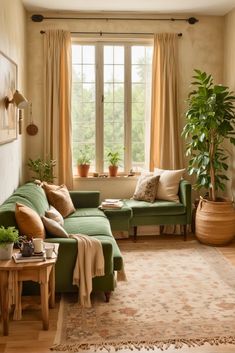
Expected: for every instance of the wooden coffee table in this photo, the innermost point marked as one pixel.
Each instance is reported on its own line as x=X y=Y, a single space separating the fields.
x=11 y=277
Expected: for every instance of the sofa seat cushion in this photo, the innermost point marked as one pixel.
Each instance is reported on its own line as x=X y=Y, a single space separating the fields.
x=87 y=212
x=88 y=226
x=159 y=207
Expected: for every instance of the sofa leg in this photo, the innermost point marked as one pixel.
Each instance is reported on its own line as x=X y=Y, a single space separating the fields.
x=107 y=296
x=135 y=233
x=161 y=229
x=185 y=232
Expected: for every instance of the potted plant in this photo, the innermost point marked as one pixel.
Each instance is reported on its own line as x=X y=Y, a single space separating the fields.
x=210 y=120
x=113 y=159
x=8 y=236
x=43 y=169
x=83 y=161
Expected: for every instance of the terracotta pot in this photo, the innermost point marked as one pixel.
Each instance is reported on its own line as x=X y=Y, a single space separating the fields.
x=83 y=170
x=215 y=222
x=113 y=169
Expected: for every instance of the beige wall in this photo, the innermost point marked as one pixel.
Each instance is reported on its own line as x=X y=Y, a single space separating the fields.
x=200 y=47
x=229 y=79
x=12 y=44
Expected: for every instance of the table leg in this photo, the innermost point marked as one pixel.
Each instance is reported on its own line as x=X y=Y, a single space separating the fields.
x=4 y=278
x=52 y=288
x=18 y=308
x=44 y=305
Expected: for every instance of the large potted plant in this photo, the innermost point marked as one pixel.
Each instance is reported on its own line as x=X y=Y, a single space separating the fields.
x=83 y=161
x=113 y=159
x=8 y=236
x=210 y=120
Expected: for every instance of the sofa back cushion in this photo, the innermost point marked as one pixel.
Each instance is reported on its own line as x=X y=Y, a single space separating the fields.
x=29 y=222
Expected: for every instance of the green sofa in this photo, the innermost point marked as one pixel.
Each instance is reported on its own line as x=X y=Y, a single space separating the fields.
x=87 y=219
x=135 y=213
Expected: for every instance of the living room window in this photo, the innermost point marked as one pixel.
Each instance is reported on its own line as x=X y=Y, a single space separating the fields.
x=111 y=101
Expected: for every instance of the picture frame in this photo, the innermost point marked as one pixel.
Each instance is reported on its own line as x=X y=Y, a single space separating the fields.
x=8 y=116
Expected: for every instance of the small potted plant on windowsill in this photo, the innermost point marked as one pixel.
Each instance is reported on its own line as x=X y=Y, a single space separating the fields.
x=8 y=236
x=83 y=161
x=113 y=159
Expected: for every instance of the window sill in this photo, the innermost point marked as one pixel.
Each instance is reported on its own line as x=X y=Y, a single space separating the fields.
x=108 y=178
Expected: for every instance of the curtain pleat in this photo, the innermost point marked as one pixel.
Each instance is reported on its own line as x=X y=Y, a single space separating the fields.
x=165 y=145
x=57 y=98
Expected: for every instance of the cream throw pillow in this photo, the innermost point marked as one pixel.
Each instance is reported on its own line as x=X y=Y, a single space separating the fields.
x=29 y=222
x=168 y=186
x=146 y=188
x=54 y=228
x=52 y=213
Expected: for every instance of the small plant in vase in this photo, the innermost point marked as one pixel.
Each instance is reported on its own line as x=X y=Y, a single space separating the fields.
x=113 y=159
x=8 y=236
x=83 y=161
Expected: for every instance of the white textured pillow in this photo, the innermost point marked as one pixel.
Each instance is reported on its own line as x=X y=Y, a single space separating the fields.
x=168 y=186
x=146 y=188
x=52 y=213
x=54 y=228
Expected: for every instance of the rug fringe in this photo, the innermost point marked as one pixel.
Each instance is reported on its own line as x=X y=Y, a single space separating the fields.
x=163 y=345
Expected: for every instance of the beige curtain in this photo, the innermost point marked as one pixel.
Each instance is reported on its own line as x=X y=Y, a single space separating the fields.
x=165 y=146
x=57 y=100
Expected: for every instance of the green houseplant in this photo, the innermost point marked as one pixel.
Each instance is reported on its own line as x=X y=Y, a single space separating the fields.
x=43 y=169
x=210 y=120
x=8 y=236
x=113 y=158
x=83 y=161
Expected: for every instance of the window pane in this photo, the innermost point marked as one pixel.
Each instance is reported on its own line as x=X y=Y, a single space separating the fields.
x=118 y=54
x=138 y=73
x=118 y=73
x=108 y=54
x=138 y=92
x=88 y=92
x=108 y=92
x=138 y=110
x=88 y=73
x=76 y=54
x=77 y=73
x=108 y=73
x=88 y=56
x=119 y=92
x=138 y=54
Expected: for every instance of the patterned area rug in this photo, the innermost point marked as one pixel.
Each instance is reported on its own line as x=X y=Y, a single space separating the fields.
x=180 y=295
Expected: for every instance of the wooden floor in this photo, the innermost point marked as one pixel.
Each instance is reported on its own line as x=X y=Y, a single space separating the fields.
x=27 y=335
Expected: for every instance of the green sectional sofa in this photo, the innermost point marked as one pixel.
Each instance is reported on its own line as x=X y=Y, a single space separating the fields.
x=87 y=219
x=135 y=213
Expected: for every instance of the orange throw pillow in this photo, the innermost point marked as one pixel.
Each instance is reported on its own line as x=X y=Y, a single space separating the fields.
x=59 y=198
x=29 y=222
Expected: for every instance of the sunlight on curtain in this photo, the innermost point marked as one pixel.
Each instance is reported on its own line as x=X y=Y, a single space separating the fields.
x=57 y=98
x=165 y=146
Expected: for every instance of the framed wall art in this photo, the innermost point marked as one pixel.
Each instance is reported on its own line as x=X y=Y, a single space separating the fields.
x=8 y=85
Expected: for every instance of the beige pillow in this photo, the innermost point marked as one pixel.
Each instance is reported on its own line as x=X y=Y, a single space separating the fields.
x=52 y=213
x=54 y=228
x=146 y=188
x=168 y=186
x=29 y=222
x=61 y=200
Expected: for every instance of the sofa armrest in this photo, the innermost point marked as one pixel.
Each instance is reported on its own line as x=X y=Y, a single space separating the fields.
x=185 y=195
x=85 y=199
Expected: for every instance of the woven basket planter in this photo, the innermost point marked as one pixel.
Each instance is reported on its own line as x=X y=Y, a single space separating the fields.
x=215 y=222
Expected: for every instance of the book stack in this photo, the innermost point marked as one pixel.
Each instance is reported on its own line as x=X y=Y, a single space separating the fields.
x=111 y=204
x=18 y=258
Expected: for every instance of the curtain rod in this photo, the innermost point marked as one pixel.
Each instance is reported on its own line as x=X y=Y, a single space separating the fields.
x=40 y=18
x=101 y=33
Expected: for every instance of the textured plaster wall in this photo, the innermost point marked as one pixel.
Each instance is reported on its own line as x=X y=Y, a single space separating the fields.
x=200 y=47
x=13 y=44
x=229 y=80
